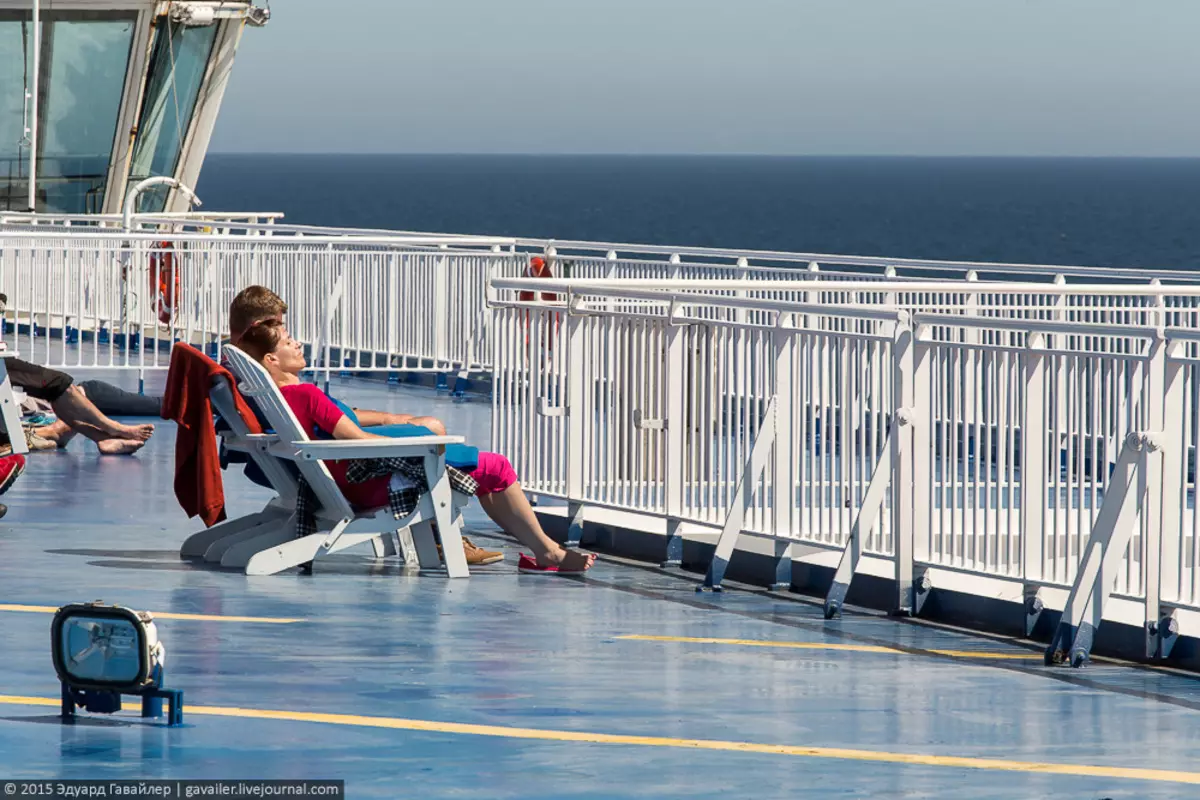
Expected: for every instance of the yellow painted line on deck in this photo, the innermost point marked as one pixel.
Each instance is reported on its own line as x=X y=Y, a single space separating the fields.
x=853 y=648
x=165 y=615
x=838 y=753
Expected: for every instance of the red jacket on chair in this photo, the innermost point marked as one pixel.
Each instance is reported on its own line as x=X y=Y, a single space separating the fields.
x=198 y=485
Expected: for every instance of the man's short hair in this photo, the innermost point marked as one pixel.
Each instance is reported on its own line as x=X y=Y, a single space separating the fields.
x=253 y=304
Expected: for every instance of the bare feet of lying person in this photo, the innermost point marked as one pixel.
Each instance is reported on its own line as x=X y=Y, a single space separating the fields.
x=61 y=435
x=119 y=447
x=137 y=433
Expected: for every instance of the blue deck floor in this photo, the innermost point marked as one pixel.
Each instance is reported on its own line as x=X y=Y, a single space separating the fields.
x=532 y=686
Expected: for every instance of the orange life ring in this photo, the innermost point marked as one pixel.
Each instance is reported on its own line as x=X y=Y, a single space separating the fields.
x=538 y=268
x=165 y=282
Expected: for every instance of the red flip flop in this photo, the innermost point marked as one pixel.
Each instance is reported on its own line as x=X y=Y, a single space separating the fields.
x=529 y=566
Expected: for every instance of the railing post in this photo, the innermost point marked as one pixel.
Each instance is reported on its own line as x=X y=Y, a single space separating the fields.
x=1161 y=520
x=783 y=473
x=678 y=429
x=972 y=397
x=741 y=315
x=1174 y=496
x=909 y=594
x=576 y=424
x=440 y=313
x=1033 y=475
x=810 y=297
x=921 y=441
x=1061 y=342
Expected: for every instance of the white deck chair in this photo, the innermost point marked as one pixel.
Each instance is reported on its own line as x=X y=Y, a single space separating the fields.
x=10 y=410
x=339 y=526
x=213 y=544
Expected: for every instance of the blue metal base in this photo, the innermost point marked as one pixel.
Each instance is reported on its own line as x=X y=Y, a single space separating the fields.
x=1033 y=612
x=714 y=576
x=674 y=549
x=1071 y=645
x=103 y=702
x=835 y=598
x=783 y=574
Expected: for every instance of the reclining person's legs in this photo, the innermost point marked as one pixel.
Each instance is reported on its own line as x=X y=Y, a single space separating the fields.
x=74 y=409
x=502 y=498
x=110 y=399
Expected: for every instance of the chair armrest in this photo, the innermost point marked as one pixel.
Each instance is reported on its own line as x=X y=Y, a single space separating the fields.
x=334 y=450
x=250 y=443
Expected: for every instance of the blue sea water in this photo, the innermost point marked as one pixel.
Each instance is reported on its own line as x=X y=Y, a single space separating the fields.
x=1101 y=212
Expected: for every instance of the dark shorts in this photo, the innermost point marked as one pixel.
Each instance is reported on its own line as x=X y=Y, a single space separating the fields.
x=40 y=382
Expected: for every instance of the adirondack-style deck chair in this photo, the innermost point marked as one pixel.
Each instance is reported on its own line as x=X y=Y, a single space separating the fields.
x=233 y=543
x=339 y=525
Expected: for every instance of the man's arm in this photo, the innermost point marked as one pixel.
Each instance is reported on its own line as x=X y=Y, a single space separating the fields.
x=370 y=419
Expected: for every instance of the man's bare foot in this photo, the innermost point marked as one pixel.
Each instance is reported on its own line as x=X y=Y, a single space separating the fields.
x=568 y=560
x=119 y=447
x=58 y=432
x=139 y=433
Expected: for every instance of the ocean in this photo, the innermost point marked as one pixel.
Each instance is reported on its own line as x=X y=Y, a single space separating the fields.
x=1099 y=212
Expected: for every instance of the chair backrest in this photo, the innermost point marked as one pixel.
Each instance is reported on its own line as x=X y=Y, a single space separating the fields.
x=278 y=474
x=255 y=382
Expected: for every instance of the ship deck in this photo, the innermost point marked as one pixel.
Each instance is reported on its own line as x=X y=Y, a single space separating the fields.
x=625 y=683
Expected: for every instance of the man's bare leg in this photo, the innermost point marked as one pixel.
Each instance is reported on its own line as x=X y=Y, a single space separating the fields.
x=77 y=411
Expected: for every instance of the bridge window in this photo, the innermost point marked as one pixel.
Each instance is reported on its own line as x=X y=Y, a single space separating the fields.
x=84 y=61
x=176 y=72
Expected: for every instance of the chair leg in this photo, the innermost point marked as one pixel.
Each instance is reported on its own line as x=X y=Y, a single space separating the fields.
x=408 y=547
x=240 y=554
x=197 y=544
x=425 y=545
x=450 y=527
x=274 y=559
x=217 y=550
x=383 y=546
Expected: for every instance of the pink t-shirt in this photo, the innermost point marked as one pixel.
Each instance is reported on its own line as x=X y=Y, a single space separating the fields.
x=314 y=409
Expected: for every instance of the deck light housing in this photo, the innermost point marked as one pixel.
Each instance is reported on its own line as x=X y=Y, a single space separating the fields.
x=104 y=651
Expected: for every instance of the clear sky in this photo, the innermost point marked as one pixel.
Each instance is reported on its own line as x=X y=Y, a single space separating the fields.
x=925 y=77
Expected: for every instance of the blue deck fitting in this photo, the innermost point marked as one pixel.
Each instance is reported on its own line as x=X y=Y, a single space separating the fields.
x=835 y=598
x=714 y=576
x=575 y=525
x=783 y=568
x=109 y=702
x=1070 y=645
x=1034 y=606
x=673 y=551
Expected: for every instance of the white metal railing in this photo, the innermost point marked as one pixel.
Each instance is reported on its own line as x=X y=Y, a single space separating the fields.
x=935 y=441
x=440 y=323
x=93 y=298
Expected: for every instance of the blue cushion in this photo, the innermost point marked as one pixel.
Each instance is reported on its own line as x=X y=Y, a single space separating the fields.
x=459 y=456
